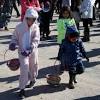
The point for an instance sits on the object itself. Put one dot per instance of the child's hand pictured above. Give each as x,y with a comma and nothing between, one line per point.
12,46
87,59
57,58
86,13
26,53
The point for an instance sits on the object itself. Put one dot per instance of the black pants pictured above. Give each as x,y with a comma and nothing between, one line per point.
44,23
86,23
5,13
44,29
59,5
16,9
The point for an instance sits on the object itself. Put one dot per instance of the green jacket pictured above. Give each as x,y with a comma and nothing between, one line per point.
61,28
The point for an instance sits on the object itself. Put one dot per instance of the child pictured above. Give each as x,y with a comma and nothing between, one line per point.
27,36
70,54
45,20
65,19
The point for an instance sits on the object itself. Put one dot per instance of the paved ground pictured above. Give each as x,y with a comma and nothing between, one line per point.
88,87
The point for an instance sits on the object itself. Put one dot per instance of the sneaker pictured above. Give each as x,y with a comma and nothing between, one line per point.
71,86
18,16
31,84
85,39
6,29
22,93
75,81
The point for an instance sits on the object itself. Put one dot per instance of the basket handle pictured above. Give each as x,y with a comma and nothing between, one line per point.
7,63
56,69
5,53
55,63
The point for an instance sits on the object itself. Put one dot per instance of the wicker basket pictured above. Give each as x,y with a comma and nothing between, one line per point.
53,79
13,64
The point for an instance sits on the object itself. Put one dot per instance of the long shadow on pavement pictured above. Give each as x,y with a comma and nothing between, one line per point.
97,97
50,42
5,42
9,79
9,95
91,64
48,70
12,94
5,37
94,52
45,89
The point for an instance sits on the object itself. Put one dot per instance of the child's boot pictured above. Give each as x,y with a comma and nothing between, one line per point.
71,80
75,81
86,37
31,84
6,28
22,93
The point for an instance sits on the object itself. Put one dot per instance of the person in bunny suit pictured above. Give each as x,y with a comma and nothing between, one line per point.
25,4
27,37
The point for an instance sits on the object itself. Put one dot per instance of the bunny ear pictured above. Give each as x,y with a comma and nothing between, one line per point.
31,13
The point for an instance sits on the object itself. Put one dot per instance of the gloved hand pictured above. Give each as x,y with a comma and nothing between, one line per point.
25,53
87,59
86,13
57,58
12,46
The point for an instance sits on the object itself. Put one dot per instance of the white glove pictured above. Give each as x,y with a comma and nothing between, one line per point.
86,13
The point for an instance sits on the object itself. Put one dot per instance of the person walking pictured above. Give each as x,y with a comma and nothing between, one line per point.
86,10
25,4
15,8
70,55
27,36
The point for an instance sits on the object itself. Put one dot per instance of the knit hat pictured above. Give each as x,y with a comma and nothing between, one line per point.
31,13
72,31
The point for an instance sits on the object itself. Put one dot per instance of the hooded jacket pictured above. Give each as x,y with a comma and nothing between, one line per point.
24,35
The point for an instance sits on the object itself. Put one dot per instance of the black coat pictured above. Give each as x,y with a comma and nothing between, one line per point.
5,13
70,54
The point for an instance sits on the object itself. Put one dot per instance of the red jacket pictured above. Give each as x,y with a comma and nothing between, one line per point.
25,4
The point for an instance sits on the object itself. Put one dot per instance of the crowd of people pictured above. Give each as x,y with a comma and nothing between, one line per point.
28,33
82,11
